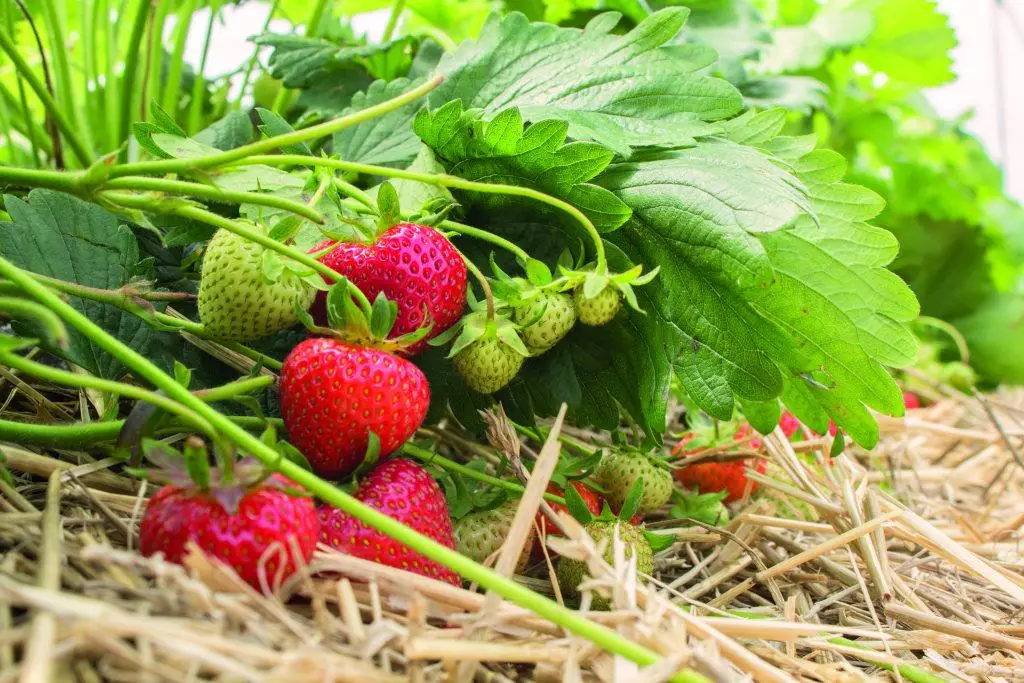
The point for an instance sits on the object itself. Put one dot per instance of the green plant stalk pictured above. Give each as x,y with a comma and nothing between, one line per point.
484,285
126,302
270,144
111,36
446,42
255,57
31,129
172,88
71,182
572,621
53,109
397,7
207,191
88,433
131,68
496,240
356,193
239,387
431,458
203,216
284,96
907,671
61,72
154,62
442,180
29,309
195,107
84,381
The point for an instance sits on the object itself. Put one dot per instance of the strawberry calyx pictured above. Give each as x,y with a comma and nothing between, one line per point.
190,469
590,283
352,319
476,327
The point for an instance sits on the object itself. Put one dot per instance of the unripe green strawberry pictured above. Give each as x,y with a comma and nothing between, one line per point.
480,534
571,573
488,364
618,472
601,309
236,302
545,320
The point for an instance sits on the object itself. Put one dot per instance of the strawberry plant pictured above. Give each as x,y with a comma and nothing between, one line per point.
535,216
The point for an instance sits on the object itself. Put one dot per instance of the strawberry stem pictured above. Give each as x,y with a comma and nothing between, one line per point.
521,595
440,180
496,240
163,166
89,433
431,458
484,285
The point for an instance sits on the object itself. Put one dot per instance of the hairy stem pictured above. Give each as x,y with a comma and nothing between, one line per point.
568,619
277,142
203,216
57,376
82,434
484,285
23,308
490,237
429,457
207,191
240,387
444,180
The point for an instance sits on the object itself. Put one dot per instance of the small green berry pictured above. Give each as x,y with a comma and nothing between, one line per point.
488,364
571,573
599,310
557,315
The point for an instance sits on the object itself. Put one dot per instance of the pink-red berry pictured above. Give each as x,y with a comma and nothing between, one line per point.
413,265
405,491
333,395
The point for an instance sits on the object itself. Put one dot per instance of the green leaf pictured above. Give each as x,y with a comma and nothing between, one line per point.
387,140
631,505
273,124
910,42
763,416
577,507
59,236
838,444
621,91
502,152
388,206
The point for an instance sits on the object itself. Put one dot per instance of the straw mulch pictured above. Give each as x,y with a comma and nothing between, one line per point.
891,565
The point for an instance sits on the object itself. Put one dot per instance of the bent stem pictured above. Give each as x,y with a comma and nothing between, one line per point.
548,609
57,376
484,284
81,434
490,237
440,180
215,193
260,147
185,210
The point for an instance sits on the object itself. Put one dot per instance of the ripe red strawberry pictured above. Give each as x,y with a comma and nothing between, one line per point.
710,477
911,401
333,395
405,491
236,531
413,265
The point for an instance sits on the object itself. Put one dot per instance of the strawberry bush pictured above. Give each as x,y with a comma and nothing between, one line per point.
612,211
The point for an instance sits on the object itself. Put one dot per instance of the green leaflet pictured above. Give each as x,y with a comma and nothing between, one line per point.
621,91
501,152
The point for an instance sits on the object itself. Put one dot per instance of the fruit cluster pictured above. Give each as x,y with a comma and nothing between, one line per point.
351,397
